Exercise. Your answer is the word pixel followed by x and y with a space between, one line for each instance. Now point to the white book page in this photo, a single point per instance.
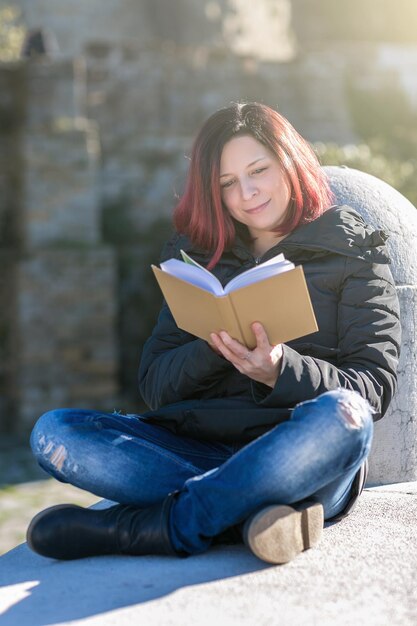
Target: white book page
pixel 279 258
pixel 194 274
pixel 260 272
pixel 275 259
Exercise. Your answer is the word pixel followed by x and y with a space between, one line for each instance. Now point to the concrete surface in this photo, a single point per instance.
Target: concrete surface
pixel 363 572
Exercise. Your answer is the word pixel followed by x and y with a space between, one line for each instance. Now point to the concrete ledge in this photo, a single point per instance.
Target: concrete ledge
pixel 363 571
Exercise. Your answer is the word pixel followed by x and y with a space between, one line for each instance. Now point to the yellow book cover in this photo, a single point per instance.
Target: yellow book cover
pixel 274 293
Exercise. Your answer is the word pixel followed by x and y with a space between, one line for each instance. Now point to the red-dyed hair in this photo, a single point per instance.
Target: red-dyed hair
pixel 200 213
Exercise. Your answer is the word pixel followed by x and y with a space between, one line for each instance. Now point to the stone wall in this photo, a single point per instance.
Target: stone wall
pixel 58 280
pixel 13 110
pixel 12 115
pixel 8 350
pixel 273 29
pixel 67 333
pixel 244 27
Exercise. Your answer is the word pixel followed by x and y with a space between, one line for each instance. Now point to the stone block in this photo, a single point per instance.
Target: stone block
pixel 384 207
pixel 11 189
pixel 393 456
pixel 66 318
pixel 52 90
pixel 13 96
pixel 61 187
pixel 12 114
pixel 8 340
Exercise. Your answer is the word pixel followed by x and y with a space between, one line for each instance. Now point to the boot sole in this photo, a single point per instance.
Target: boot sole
pixel 278 533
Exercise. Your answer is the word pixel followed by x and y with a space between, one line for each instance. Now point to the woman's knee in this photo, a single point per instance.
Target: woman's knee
pixel 349 406
pixel 355 413
pixel 353 408
pixel 46 433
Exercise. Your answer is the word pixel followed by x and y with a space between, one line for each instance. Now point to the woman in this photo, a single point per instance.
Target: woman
pixel 264 443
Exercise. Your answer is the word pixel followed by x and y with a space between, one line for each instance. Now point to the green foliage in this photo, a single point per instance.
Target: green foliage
pixel 386 123
pixel 384 118
pixel 374 158
pixel 11 33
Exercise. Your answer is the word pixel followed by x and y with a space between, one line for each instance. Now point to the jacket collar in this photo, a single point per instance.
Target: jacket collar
pixel 339 230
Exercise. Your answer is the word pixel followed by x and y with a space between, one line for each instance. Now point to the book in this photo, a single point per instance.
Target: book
pixel 273 293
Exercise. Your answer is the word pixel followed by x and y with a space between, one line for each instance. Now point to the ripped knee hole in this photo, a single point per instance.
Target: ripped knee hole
pixel 55 454
pixel 352 412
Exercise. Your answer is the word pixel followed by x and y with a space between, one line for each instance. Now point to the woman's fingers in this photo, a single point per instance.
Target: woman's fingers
pixel 234 346
pixel 230 348
pixel 214 347
pixel 261 364
pixel 262 341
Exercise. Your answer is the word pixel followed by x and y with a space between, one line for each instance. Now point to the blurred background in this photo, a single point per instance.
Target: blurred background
pixel 99 102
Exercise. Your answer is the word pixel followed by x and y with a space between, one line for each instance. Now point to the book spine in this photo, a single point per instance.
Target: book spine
pixel 247 335
pixel 229 317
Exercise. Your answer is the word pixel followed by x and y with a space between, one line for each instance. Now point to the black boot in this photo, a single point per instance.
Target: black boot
pixel 70 532
pixel 230 537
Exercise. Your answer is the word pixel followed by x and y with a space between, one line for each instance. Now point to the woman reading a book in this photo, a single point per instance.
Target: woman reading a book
pixel 264 443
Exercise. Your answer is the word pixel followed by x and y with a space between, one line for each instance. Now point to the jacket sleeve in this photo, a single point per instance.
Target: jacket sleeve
pixel 369 337
pixel 175 365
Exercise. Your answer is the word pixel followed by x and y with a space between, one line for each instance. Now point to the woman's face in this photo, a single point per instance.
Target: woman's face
pixel 254 188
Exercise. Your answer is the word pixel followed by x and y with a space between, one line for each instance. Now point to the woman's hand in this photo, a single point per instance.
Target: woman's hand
pixel 262 364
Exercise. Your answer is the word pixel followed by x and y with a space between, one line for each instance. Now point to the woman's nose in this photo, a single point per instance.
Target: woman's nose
pixel 248 189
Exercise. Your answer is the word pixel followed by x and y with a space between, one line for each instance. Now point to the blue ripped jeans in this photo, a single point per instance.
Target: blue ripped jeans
pixel 314 455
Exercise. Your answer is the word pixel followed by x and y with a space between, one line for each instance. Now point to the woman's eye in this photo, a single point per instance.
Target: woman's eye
pixel 227 184
pixel 259 170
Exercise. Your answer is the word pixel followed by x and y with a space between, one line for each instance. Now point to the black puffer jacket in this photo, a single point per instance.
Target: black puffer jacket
pixel 195 392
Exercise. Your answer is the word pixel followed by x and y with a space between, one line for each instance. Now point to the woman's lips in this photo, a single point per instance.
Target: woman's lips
pixel 258 208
